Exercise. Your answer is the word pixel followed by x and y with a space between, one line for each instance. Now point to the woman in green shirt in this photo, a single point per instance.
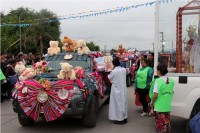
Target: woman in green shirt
pixel 142 85
pixel 162 98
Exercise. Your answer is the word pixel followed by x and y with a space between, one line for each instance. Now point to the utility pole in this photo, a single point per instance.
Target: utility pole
pixel 20 34
pixel 163 41
pixel 172 46
pixel 153 46
pixel 105 49
pixel 156 36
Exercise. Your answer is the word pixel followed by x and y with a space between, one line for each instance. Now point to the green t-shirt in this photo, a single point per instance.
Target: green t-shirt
pixel 2 77
pixel 165 93
pixel 146 75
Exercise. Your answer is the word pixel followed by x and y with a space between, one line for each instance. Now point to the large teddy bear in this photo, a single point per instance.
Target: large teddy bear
pixel 66 72
pixel 82 48
pixel 121 50
pixel 53 49
pixel 25 73
pixel 68 44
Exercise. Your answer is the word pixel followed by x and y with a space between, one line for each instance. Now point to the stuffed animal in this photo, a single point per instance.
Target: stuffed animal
pixel 82 48
pixel 121 50
pixel 53 49
pixel 68 44
pixel 25 73
pixel 66 72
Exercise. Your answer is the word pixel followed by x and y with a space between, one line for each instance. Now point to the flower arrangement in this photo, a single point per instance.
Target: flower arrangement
pixel 45 83
pixel 41 67
pixel 80 72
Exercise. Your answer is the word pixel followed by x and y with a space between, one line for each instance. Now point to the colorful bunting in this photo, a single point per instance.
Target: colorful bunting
pixel 87 14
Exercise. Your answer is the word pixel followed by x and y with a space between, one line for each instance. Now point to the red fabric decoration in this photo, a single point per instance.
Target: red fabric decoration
pixel 53 108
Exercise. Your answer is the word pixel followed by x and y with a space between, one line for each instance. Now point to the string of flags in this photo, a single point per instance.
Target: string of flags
pixel 88 14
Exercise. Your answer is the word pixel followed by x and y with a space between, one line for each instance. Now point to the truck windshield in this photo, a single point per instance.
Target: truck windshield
pixel 77 60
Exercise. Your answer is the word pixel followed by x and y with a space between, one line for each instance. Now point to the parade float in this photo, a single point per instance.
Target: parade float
pixel 186 73
pixel 64 84
pixel 128 60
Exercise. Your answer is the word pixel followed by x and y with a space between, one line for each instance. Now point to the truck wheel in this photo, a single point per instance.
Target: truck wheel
pixel 25 121
pixel 195 109
pixel 128 81
pixel 89 119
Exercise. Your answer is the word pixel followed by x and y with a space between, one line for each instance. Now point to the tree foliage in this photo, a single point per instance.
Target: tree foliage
pixel 92 46
pixel 113 51
pixel 34 38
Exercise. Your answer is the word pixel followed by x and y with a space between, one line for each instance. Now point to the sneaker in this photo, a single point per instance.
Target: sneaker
pixel 143 114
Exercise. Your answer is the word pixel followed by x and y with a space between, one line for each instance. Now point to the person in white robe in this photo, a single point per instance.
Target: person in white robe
pixel 118 96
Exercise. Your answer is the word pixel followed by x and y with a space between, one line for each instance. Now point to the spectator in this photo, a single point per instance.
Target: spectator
pixel 11 77
pixel 151 60
pixel 139 61
pixel 162 98
pixel 31 59
pixel 118 96
pixel 142 85
pixel 19 57
pixel 25 59
pixel 3 83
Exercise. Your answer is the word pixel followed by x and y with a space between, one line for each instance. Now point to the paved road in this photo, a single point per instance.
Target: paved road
pixel 136 124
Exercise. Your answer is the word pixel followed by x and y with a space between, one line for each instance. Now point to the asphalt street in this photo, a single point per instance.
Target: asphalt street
pixel 136 124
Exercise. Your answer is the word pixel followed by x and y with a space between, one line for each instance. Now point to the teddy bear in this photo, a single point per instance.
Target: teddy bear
pixel 53 49
pixel 68 44
pixel 82 48
pixel 25 73
pixel 121 50
pixel 66 72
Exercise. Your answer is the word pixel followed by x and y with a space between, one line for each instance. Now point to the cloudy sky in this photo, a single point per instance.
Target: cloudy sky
pixel 133 28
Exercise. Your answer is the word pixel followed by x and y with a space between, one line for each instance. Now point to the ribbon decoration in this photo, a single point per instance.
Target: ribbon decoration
pixel 100 83
pixel 53 108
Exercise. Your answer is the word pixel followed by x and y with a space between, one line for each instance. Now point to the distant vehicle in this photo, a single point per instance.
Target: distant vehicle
pixel 81 97
pixel 128 61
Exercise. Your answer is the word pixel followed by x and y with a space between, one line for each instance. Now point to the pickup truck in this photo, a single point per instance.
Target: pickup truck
pixel 186 99
pixel 61 98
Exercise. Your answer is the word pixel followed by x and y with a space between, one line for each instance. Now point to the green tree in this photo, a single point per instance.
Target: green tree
pixel 113 51
pixel 92 46
pixel 34 38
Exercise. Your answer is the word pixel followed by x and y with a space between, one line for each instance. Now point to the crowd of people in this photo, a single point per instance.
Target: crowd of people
pixel 161 92
pixel 155 94
pixel 8 75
